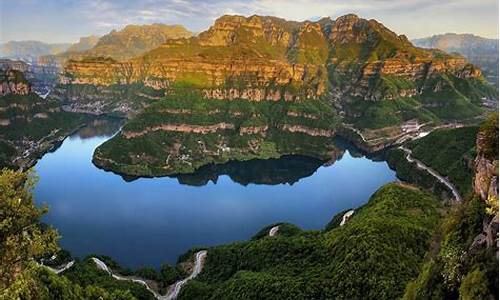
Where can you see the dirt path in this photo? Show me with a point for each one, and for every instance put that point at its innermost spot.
(433, 172)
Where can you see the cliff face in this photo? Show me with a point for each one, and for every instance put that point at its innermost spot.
(13, 82)
(371, 62)
(266, 58)
(486, 163)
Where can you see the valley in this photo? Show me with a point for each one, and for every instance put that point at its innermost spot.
(261, 158)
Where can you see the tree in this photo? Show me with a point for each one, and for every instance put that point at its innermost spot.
(22, 237)
(475, 286)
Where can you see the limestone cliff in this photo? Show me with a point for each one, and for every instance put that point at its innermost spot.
(267, 58)
(13, 82)
(486, 163)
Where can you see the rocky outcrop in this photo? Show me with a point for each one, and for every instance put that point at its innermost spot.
(254, 129)
(486, 181)
(370, 62)
(486, 171)
(185, 128)
(308, 130)
(13, 82)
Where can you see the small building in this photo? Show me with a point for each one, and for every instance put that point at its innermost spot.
(410, 126)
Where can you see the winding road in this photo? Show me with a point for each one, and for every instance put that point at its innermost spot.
(174, 289)
(274, 231)
(346, 217)
(61, 268)
(434, 173)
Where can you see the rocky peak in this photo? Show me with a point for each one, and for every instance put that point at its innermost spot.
(350, 28)
(230, 30)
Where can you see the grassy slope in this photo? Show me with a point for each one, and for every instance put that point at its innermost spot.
(315, 265)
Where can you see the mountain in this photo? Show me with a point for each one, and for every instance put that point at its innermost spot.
(268, 58)
(377, 78)
(30, 50)
(85, 43)
(131, 41)
(480, 51)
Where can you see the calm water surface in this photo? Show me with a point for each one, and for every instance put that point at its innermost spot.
(150, 221)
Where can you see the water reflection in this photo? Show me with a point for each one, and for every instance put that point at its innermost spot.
(99, 127)
(154, 220)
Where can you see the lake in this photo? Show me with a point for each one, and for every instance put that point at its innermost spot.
(150, 221)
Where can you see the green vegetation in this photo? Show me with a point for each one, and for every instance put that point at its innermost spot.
(455, 270)
(131, 41)
(32, 124)
(488, 139)
(241, 130)
(450, 152)
(379, 249)
(385, 113)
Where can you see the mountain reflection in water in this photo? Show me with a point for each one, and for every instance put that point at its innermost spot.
(150, 221)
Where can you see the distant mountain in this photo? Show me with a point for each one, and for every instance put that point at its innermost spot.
(85, 43)
(480, 51)
(30, 50)
(133, 40)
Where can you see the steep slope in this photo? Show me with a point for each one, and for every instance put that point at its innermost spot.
(480, 51)
(12, 80)
(463, 264)
(376, 80)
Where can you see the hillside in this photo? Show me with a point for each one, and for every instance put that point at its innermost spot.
(85, 43)
(385, 242)
(29, 125)
(403, 243)
(131, 41)
(480, 51)
(183, 132)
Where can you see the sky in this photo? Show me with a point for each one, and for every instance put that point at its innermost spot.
(68, 20)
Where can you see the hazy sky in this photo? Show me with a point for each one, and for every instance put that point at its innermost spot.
(67, 20)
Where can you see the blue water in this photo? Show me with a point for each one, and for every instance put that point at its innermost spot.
(151, 221)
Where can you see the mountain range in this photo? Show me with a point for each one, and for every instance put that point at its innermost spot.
(480, 51)
(30, 50)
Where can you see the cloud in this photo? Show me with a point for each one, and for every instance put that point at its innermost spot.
(412, 17)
